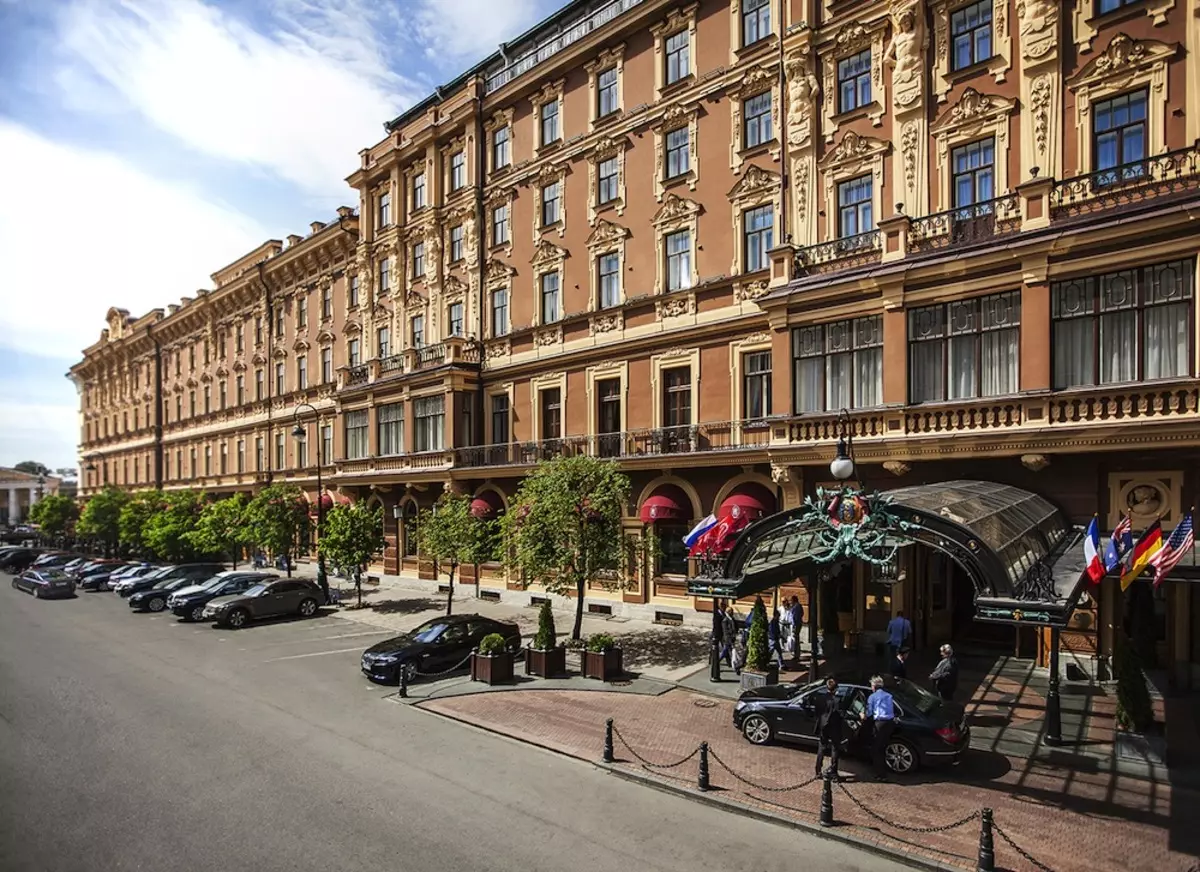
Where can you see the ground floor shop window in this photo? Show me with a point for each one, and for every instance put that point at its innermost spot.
(673, 559)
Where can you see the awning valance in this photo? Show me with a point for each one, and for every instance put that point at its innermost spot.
(750, 501)
(667, 503)
(486, 505)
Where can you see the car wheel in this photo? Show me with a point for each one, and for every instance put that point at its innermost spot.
(197, 614)
(37, 593)
(308, 607)
(236, 619)
(157, 604)
(756, 729)
(900, 757)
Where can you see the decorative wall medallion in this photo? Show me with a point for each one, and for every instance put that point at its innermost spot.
(549, 336)
(606, 323)
(675, 306)
(1038, 30)
(498, 349)
(908, 148)
(897, 467)
(1035, 462)
(749, 291)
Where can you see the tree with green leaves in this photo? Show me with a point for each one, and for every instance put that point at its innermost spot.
(451, 535)
(134, 518)
(564, 528)
(276, 518)
(350, 536)
(101, 516)
(168, 532)
(758, 649)
(55, 514)
(32, 467)
(222, 528)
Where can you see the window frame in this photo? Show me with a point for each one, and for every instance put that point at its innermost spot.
(856, 205)
(756, 382)
(389, 427)
(680, 55)
(681, 259)
(420, 197)
(946, 339)
(455, 323)
(552, 118)
(357, 432)
(502, 147)
(758, 240)
(458, 170)
(973, 34)
(607, 91)
(864, 335)
(1131, 168)
(753, 12)
(763, 132)
(845, 74)
(427, 434)
(499, 329)
(610, 259)
(555, 294)
(547, 202)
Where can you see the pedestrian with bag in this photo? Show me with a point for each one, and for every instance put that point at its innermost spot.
(775, 638)
(899, 634)
(728, 633)
(797, 613)
(881, 712)
(945, 675)
(830, 733)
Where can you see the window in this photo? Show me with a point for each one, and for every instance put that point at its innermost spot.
(260, 454)
(353, 292)
(192, 356)
(418, 191)
(356, 434)
(971, 31)
(679, 260)
(178, 362)
(549, 117)
(279, 322)
(178, 465)
(551, 400)
(280, 379)
(354, 352)
(241, 455)
(608, 416)
(429, 416)
(241, 390)
(756, 385)
(972, 176)
(383, 341)
(239, 337)
(326, 303)
(191, 462)
(500, 312)
(207, 400)
(499, 419)
(385, 209)
(757, 125)
(302, 451)
(391, 428)
(606, 96)
(551, 310)
(456, 244)
(454, 318)
(417, 331)
(678, 59)
(191, 409)
(500, 225)
(418, 260)
(224, 458)
(326, 443)
(458, 171)
(1105, 6)
(260, 387)
(258, 336)
(1119, 135)
(207, 462)
(302, 373)
(677, 397)
(301, 317)
(838, 365)
(964, 349)
(854, 81)
(501, 148)
(608, 267)
(326, 365)
(550, 211)
(1133, 325)
(222, 398)
(855, 207)
(607, 172)
(758, 236)
(280, 451)
(756, 21)
(678, 152)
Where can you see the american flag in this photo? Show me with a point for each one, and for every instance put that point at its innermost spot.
(1181, 542)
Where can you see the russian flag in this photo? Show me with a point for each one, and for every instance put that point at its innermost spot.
(1091, 552)
(699, 530)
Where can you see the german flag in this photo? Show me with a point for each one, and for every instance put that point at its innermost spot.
(1148, 546)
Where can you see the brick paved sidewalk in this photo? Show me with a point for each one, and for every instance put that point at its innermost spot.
(1067, 819)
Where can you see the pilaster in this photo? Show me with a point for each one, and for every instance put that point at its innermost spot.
(803, 92)
(907, 54)
(1041, 89)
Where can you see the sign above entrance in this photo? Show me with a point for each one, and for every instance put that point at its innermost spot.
(714, 587)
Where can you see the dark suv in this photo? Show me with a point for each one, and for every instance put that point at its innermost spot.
(290, 596)
(189, 602)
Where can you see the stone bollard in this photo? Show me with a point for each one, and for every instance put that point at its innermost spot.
(827, 801)
(608, 743)
(404, 681)
(702, 781)
(987, 850)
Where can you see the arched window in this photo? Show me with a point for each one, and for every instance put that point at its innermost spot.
(410, 529)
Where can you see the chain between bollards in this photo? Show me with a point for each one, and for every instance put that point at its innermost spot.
(986, 861)
(826, 819)
(609, 757)
(702, 779)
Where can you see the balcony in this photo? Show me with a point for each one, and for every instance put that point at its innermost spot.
(838, 254)
(455, 351)
(969, 225)
(1152, 179)
(415, 461)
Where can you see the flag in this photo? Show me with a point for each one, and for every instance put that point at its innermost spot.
(1182, 540)
(1149, 545)
(719, 538)
(1091, 552)
(1119, 544)
(700, 529)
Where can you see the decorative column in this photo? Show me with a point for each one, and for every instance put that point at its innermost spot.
(910, 124)
(14, 507)
(803, 90)
(1041, 89)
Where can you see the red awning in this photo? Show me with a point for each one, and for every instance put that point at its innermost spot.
(486, 504)
(667, 503)
(329, 499)
(750, 501)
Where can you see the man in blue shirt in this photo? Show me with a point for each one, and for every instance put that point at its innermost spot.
(881, 712)
(899, 633)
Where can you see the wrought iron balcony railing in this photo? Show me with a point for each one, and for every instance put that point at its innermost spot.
(1167, 174)
(966, 225)
(841, 253)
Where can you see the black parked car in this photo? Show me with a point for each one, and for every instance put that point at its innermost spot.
(17, 560)
(45, 583)
(927, 731)
(292, 596)
(155, 599)
(189, 602)
(195, 573)
(436, 645)
(96, 577)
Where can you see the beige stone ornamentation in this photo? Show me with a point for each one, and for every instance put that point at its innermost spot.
(610, 58)
(1035, 462)
(756, 187)
(748, 292)
(498, 272)
(548, 175)
(498, 349)
(549, 336)
(1041, 91)
(803, 90)
(1084, 28)
(453, 288)
(906, 53)
(548, 92)
(676, 116)
(974, 116)
(606, 323)
(607, 238)
(782, 474)
(909, 136)
(897, 467)
(606, 148)
(852, 38)
(1038, 27)
(756, 81)
(677, 20)
(675, 214)
(676, 305)
(546, 254)
(998, 64)
(854, 156)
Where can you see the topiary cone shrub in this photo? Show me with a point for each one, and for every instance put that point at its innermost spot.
(1135, 711)
(547, 636)
(758, 652)
(545, 658)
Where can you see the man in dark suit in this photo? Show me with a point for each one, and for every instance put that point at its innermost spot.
(829, 727)
(899, 666)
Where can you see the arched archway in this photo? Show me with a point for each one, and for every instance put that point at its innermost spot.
(692, 496)
(749, 482)
(670, 505)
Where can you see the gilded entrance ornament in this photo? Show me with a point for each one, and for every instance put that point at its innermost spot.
(852, 524)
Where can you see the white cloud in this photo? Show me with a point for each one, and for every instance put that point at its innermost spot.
(470, 30)
(299, 103)
(41, 432)
(84, 230)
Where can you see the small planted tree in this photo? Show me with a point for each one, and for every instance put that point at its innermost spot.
(351, 536)
(101, 517)
(1135, 711)
(564, 528)
(169, 532)
(451, 536)
(222, 528)
(55, 514)
(276, 519)
(135, 516)
(758, 650)
(547, 636)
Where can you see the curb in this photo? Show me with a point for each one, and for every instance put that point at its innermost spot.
(708, 799)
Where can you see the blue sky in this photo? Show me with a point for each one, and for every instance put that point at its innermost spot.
(146, 143)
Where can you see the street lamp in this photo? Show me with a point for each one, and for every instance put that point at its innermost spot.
(842, 465)
(302, 434)
(41, 483)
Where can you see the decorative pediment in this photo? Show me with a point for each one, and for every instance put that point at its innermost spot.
(239, 366)
(973, 109)
(178, 388)
(381, 311)
(325, 336)
(755, 184)
(676, 208)
(279, 353)
(117, 320)
(352, 328)
(300, 345)
(499, 119)
(500, 196)
(607, 234)
(677, 115)
(549, 174)
(854, 147)
(756, 80)
(546, 253)
(851, 38)
(206, 377)
(453, 287)
(258, 359)
(498, 271)
(549, 91)
(414, 298)
(1124, 58)
(191, 382)
(608, 146)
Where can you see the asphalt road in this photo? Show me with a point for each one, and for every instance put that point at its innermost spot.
(135, 742)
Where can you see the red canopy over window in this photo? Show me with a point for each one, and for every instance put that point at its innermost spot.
(667, 503)
(486, 504)
(750, 500)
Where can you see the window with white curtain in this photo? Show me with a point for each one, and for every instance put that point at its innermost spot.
(968, 348)
(390, 421)
(1132, 325)
(357, 435)
(838, 365)
(429, 416)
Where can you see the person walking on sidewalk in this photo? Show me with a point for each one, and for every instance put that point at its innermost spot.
(718, 632)
(728, 633)
(797, 612)
(775, 638)
(945, 674)
(899, 634)
(899, 664)
(881, 712)
(829, 729)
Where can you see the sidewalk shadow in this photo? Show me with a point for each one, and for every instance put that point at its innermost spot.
(405, 606)
(672, 647)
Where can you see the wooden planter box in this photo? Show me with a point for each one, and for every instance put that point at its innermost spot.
(492, 668)
(547, 664)
(752, 679)
(603, 665)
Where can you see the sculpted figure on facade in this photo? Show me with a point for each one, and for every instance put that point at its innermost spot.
(906, 53)
(803, 89)
(1037, 26)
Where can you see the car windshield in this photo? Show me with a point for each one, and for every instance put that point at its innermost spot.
(916, 696)
(429, 632)
(213, 583)
(52, 575)
(158, 573)
(256, 590)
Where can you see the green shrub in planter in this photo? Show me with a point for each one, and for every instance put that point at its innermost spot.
(758, 652)
(493, 643)
(547, 636)
(600, 642)
(1135, 711)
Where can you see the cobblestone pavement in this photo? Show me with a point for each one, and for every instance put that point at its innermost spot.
(1065, 818)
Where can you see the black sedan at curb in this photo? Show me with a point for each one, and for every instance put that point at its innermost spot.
(435, 646)
(928, 731)
(45, 583)
(155, 599)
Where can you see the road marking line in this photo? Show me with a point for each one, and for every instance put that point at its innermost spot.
(313, 654)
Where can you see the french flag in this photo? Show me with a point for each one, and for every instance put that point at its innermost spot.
(699, 530)
(1091, 552)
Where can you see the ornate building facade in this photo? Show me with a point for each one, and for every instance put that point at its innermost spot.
(687, 236)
